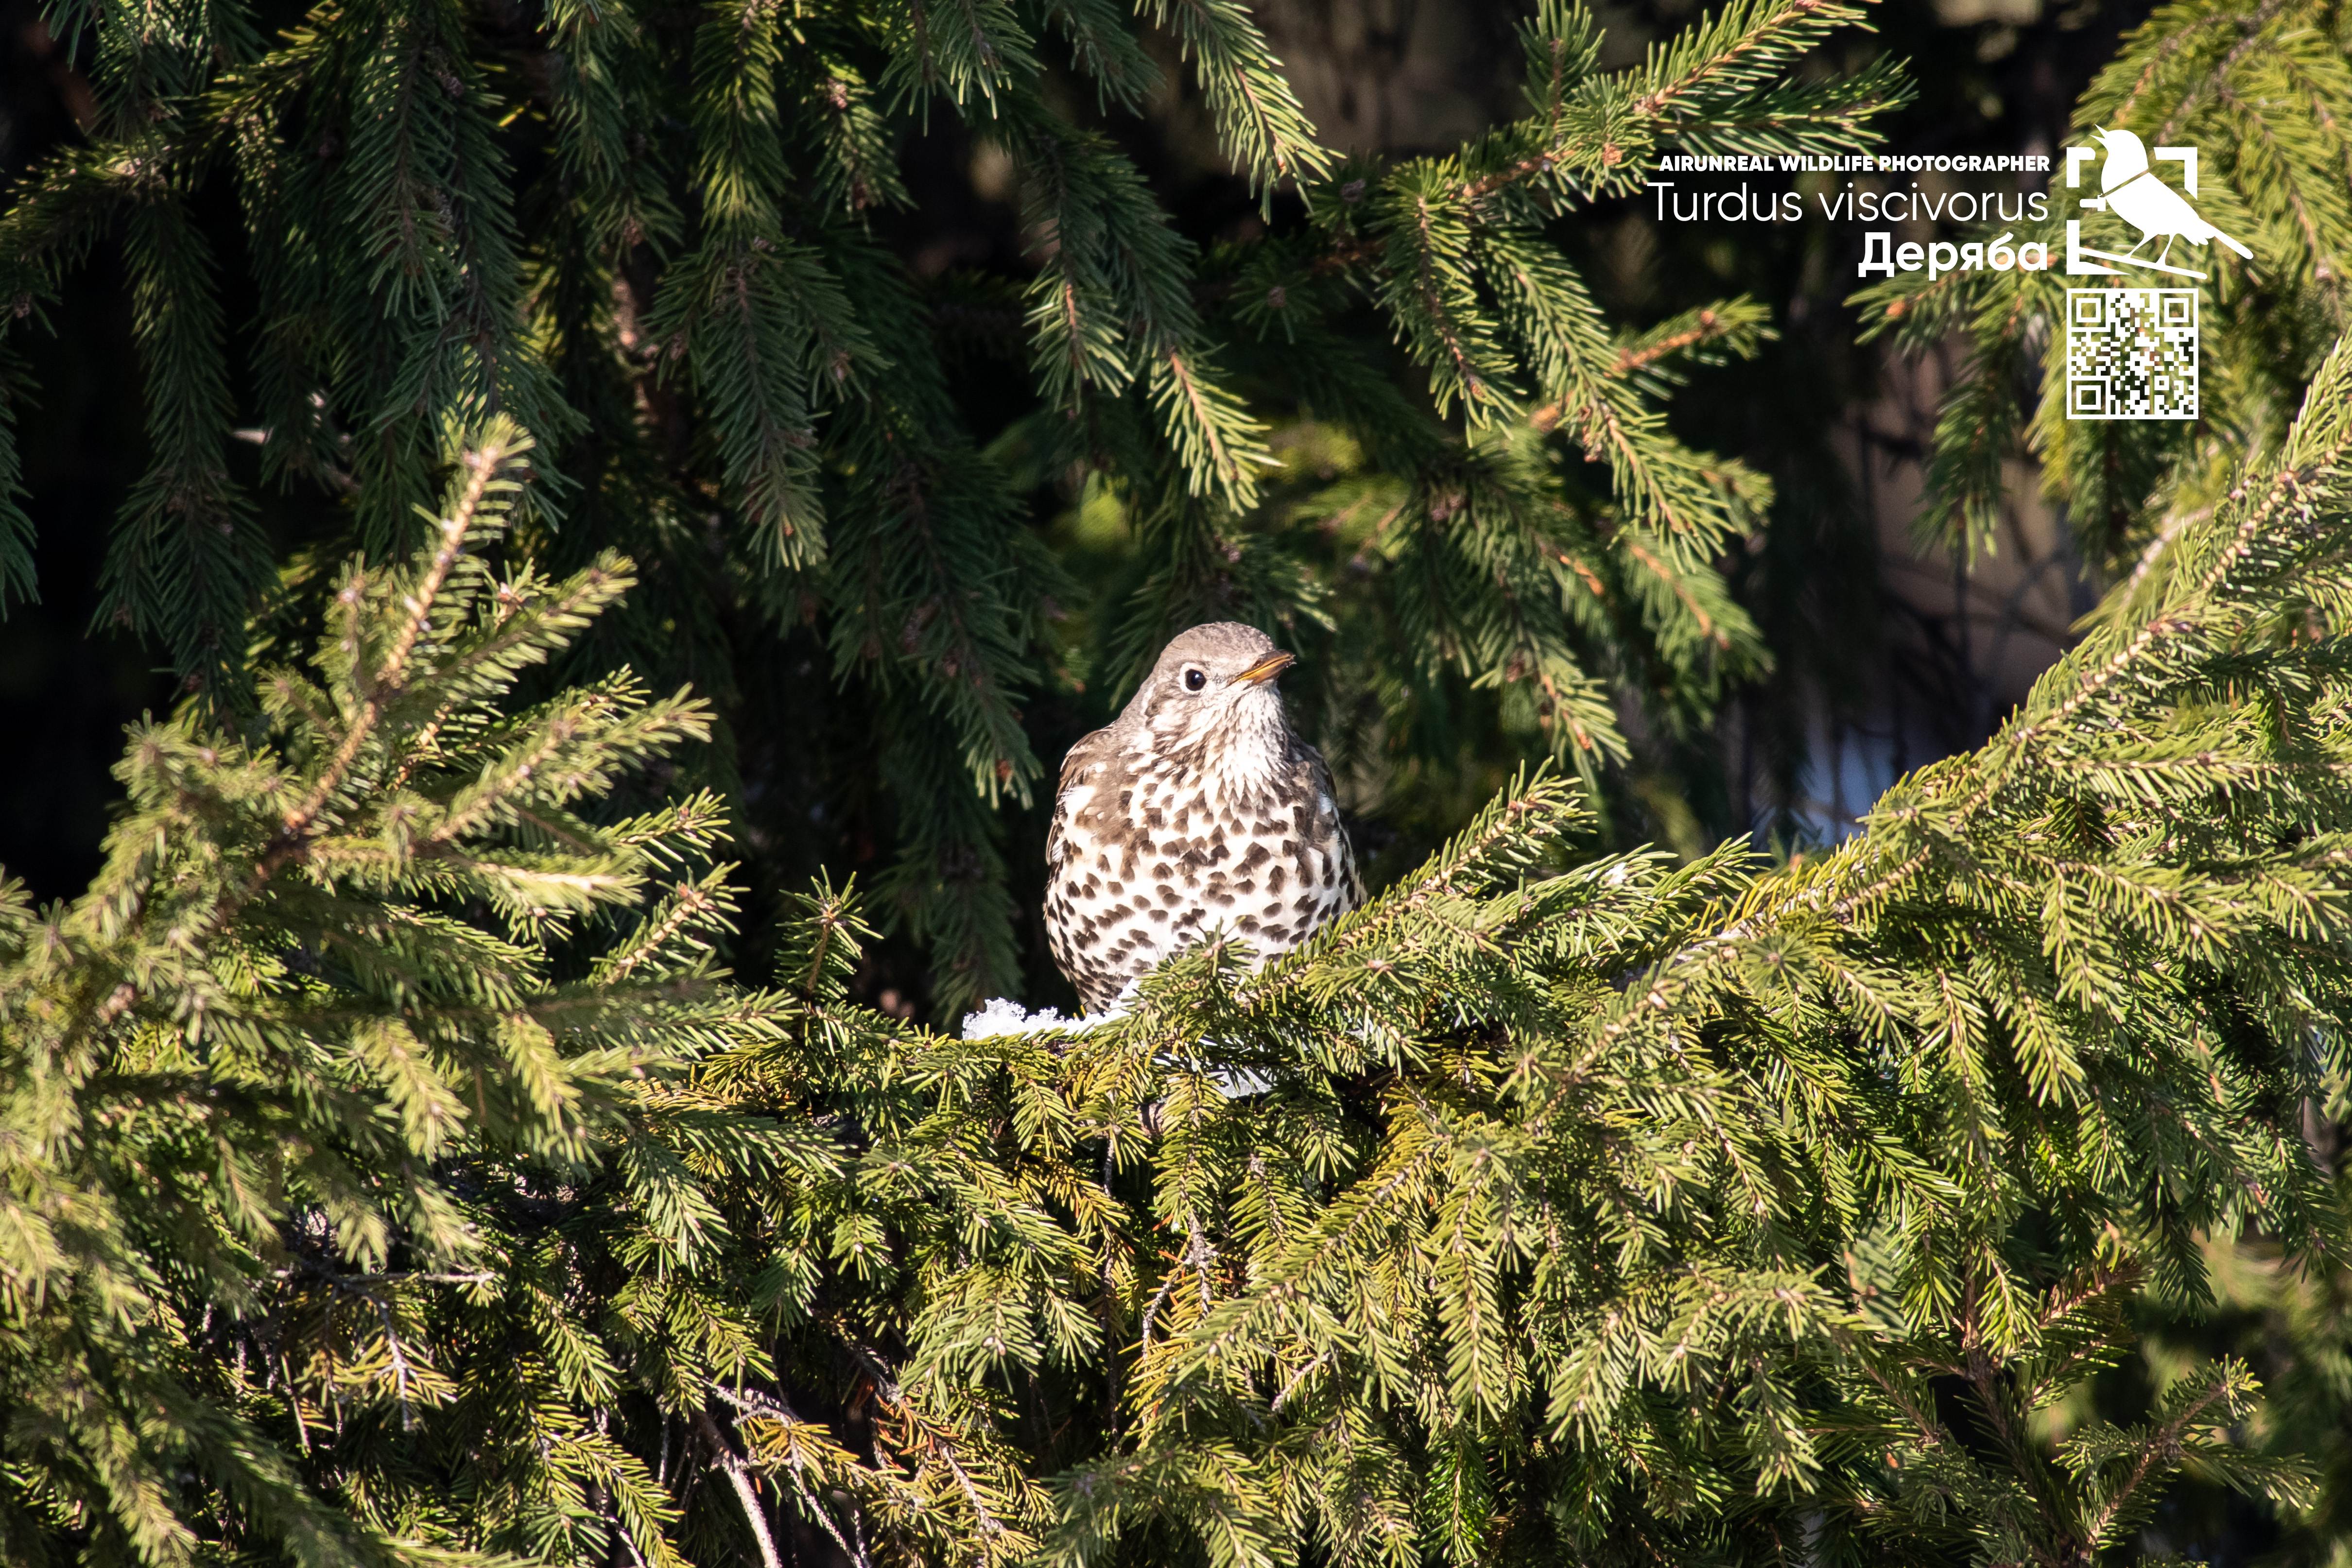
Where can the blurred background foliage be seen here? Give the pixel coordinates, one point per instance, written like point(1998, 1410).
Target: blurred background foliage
point(1881, 656)
point(1884, 647)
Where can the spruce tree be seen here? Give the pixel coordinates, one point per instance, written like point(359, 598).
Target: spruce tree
point(2264, 95)
point(1394, 424)
point(394, 1175)
point(399, 1170)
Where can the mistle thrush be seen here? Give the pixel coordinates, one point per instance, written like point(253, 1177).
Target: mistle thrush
point(1198, 810)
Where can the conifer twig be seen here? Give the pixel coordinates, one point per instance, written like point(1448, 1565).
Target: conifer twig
point(738, 1479)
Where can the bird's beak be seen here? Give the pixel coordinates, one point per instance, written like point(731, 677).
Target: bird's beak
point(2100, 136)
point(1265, 669)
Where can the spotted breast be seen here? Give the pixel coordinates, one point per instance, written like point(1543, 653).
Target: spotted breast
point(1198, 810)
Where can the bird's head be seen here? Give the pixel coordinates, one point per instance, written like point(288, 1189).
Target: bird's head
point(1214, 689)
point(2126, 155)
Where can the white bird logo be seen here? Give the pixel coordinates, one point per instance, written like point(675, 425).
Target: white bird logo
point(2128, 187)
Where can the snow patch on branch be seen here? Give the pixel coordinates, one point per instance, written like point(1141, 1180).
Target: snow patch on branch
point(1005, 1015)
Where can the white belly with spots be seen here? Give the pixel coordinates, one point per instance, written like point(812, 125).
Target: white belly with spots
point(1189, 865)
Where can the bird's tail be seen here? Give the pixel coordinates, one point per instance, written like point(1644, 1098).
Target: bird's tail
point(2225, 239)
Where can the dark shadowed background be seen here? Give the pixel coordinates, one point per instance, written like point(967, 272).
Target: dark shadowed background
point(1888, 654)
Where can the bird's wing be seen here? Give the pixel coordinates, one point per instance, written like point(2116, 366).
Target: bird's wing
point(2156, 208)
point(1072, 792)
point(2205, 231)
point(1318, 773)
point(2170, 211)
point(2146, 207)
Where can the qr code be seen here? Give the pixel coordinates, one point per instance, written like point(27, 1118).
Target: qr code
point(2131, 353)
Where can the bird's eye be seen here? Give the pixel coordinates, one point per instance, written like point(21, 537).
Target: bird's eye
point(1194, 680)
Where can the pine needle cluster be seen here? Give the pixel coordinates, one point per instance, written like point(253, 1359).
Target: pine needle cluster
point(660, 248)
point(2263, 93)
point(393, 1171)
point(394, 1176)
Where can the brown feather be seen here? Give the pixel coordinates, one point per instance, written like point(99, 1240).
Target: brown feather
point(1199, 810)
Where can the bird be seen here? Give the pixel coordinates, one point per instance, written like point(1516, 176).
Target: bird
point(2130, 188)
point(1199, 810)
